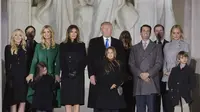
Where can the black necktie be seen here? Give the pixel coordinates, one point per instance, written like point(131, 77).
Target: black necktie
point(159, 42)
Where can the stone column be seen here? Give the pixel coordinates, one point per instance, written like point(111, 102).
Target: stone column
point(19, 14)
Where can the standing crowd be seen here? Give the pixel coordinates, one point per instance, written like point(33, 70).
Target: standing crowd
point(121, 75)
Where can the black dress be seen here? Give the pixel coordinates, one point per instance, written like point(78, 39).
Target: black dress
point(16, 72)
point(72, 59)
point(108, 99)
point(43, 97)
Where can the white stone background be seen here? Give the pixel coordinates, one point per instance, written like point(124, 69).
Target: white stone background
point(187, 15)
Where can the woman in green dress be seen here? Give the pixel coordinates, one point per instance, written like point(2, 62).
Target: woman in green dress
point(48, 52)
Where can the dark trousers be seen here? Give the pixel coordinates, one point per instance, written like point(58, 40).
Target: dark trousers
point(167, 105)
point(128, 97)
point(105, 110)
point(146, 100)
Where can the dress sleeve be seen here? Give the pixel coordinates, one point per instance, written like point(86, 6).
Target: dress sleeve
point(57, 62)
point(7, 59)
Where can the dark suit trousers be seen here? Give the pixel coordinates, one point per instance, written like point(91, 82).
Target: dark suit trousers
point(146, 100)
point(105, 110)
point(167, 105)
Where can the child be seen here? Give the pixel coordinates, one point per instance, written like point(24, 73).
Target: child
point(44, 85)
point(109, 93)
point(181, 83)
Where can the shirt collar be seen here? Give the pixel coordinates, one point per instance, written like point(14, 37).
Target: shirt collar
point(106, 38)
point(162, 41)
point(147, 41)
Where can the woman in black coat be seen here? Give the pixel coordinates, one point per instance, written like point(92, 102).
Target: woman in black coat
point(72, 63)
point(109, 80)
point(126, 39)
point(16, 72)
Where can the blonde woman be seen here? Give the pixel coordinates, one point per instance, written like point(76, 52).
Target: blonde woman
point(48, 52)
point(171, 50)
point(72, 64)
point(16, 72)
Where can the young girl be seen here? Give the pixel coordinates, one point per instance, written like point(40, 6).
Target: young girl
point(181, 82)
point(109, 97)
point(44, 85)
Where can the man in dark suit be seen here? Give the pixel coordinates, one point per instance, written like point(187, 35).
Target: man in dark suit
point(159, 33)
point(96, 51)
point(145, 62)
point(30, 46)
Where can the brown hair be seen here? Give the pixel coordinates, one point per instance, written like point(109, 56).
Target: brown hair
point(39, 67)
point(178, 27)
point(111, 63)
point(68, 33)
point(126, 39)
point(182, 54)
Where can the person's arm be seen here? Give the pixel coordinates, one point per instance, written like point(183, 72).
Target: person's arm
point(91, 50)
point(84, 59)
point(191, 79)
point(132, 63)
point(171, 79)
point(35, 60)
point(7, 59)
point(158, 62)
point(57, 62)
point(32, 84)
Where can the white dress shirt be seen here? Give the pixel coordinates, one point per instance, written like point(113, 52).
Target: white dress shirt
point(147, 43)
point(162, 41)
point(109, 40)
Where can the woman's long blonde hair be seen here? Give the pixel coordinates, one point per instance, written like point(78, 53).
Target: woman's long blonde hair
point(14, 48)
point(178, 27)
point(44, 43)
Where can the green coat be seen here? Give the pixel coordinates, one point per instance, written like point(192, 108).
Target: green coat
point(51, 58)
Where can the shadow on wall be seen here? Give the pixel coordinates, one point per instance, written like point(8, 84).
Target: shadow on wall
point(196, 92)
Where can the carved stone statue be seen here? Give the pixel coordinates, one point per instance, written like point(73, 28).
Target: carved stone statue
point(88, 15)
point(154, 12)
point(120, 13)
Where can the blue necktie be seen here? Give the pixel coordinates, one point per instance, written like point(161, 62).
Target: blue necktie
point(107, 43)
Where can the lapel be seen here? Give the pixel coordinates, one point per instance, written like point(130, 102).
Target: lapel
point(112, 41)
point(102, 45)
point(148, 50)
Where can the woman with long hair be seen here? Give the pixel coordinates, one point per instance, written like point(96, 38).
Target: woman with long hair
point(125, 38)
point(72, 63)
point(16, 72)
point(171, 50)
point(109, 72)
point(48, 52)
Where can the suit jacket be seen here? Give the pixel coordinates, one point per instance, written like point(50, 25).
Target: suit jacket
point(30, 53)
point(181, 82)
point(163, 44)
point(149, 60)
point(96, 52)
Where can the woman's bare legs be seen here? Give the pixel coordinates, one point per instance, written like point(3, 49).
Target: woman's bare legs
point(77, 108)
point(68, 108)
point(13, 108)
point(22, 107)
